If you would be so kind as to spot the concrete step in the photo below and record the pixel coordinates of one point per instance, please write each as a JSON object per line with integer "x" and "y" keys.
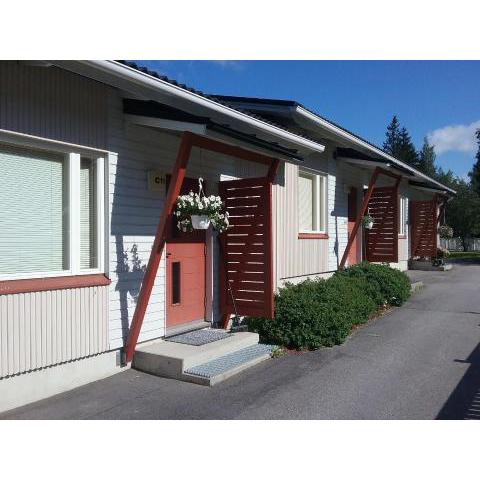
{"x": 225, "y": 367}
{"x": 169, "y": 359}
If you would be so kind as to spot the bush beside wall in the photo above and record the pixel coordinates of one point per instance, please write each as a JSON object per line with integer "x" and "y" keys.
{"x": 318, "y": 313}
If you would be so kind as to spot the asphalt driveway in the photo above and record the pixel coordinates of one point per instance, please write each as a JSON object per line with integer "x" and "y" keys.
{"x": 421, "y": 361}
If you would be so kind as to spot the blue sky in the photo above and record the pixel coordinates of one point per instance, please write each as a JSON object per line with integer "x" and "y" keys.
{"x": 440, "y": 99}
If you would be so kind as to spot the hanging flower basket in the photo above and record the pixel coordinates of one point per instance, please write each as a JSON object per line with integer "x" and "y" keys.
{"x": 200, "y": 222}
{"x": 367, "y": 222}
{"x": 196, "y": 211}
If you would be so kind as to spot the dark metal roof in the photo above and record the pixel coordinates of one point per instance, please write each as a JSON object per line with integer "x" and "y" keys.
{"x": 293, "y": 103}
{"x": 157, "y": 110}
{"x": 215, "y": 98}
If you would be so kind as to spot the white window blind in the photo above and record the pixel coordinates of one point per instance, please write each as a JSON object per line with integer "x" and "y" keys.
{"x": 306, "y": 202}
{"x": 34, "y": 211}
{"x": 88, "y": 215}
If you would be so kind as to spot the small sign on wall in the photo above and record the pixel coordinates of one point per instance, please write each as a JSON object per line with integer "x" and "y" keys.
{"x": 156, "y": 181}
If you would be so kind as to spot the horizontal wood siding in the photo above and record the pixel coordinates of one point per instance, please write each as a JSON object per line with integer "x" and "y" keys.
{"x": 42, "y": 329}
{"x": 50, "y": 327}
{"x": 135, "y": 212}
{"x": 52, "y": 103}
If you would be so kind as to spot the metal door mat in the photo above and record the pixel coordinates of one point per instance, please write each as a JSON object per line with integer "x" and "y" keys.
{"x": 199, "y": 337}
{"x": 230, "y": 361}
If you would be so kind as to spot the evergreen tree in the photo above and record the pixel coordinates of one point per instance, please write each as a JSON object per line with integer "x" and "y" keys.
{"x": 406, "y": 149}
{"x": 426, "y": 159}
{"x": 398, "y": 143}
{"x": 463, "y": 211}
{"x": 475, "y": 172}
{"x": 448, "y": 178}
{"x": 392, "y": 140}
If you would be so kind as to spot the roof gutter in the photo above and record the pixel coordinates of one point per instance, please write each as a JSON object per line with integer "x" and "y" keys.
{"x": 352, "y": 138}
{"x": 144, "y": 80}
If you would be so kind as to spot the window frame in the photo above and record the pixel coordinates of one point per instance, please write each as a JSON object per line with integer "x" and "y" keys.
{"x": 402, "y": 216}
{"x": 320, "y": 203}
{"x": 72, "y": 154}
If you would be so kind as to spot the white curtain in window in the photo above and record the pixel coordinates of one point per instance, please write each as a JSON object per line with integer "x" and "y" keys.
{"x": 88, "y": 217}
{"x": 33, "y": 213}
{"x": 305, "y": 202}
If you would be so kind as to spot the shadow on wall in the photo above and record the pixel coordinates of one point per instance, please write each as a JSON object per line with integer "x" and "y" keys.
{"x": 339, "y": 210}
{"x": 134, "y": 218}
{"x": 464, "y": 401}
{"x": 130, "y": 271}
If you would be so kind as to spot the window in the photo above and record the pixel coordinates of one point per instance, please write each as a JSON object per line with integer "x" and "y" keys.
{"x": 34, "y": 214}
{"x": 312, "y": 202}
{"x": 175, "y": 283}
{"x": 403, "y": 215}
{"x": 50, "y": 220}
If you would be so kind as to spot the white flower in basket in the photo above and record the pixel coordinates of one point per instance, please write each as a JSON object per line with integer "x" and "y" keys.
{"x": 196, "y": 211}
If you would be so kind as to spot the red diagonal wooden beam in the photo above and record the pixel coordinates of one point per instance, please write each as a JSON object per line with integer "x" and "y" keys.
{"x": 178, "y": 175}
{"x": 360, "y": 215}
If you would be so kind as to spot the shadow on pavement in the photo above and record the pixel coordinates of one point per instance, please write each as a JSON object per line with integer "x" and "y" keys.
{"x": 464, "y": 402}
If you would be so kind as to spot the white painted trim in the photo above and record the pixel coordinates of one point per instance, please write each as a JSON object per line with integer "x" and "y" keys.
{"x": 74, "y": 210}
{"x": 72, "y": 163}
{"x": 354, "y": 139}
{"x": 111, "y": 159}
{"x": 25, "y": 140}
{"x": 174, "y": 125}
{"x": 209, "y": 275}
{"x": 100, "y": 183}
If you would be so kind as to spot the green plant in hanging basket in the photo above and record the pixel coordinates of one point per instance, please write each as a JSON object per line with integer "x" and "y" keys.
{"x": 445, "y": 231}
{"x": 367, "y": 221}
{"x": 197, "y": 211}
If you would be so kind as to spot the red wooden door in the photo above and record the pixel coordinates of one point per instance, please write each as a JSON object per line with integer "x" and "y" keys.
{"x": 185, "y": 264}
{"x": 185, "y": 282}
{"x": 382, "y": 240}
{"x": 353, "y": 254}
{"x": 423, "y": 215}
{"x": 246, "y": 257}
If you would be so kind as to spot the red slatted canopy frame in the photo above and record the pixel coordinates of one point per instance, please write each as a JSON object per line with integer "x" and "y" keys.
{"x": 246, "y": 248}
{"x": 361, "y": 213}
{"x": 188, "y": 141}
{"x": 381, "y": 241}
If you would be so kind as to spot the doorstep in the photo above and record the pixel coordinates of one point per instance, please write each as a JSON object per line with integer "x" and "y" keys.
{"x": 203, "y": 364}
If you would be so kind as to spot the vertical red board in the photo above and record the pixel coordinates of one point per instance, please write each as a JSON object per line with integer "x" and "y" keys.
{"x": 381, "y": 242}
{"x": 246, "y": 259}
{"x": 423, "y": 215}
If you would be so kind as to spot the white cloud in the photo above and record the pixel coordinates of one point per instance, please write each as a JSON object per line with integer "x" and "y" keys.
{"x": 456, "y": 138}
{"x": 232, "y": 64}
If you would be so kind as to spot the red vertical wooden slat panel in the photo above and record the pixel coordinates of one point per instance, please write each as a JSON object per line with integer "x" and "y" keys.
{"x": 382, "y": 239}
{"x": 246, "y": 248}
{"x": 424, "y": 228}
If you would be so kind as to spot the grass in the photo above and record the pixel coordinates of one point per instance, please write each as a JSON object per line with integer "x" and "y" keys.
{"x": 465, "y": 256}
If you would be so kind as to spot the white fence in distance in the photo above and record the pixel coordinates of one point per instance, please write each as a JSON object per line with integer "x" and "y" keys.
{"x": 455, "y": 244}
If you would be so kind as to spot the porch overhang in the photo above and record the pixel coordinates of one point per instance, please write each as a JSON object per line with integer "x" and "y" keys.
{"x": 188, "y": 141}
{"x": 144, "y": 85}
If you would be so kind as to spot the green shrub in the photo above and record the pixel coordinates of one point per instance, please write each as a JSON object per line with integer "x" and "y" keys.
{"x": 318, "y": 313}
{"x": 385, "y": 285}
{"x": 315, "y": 313}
